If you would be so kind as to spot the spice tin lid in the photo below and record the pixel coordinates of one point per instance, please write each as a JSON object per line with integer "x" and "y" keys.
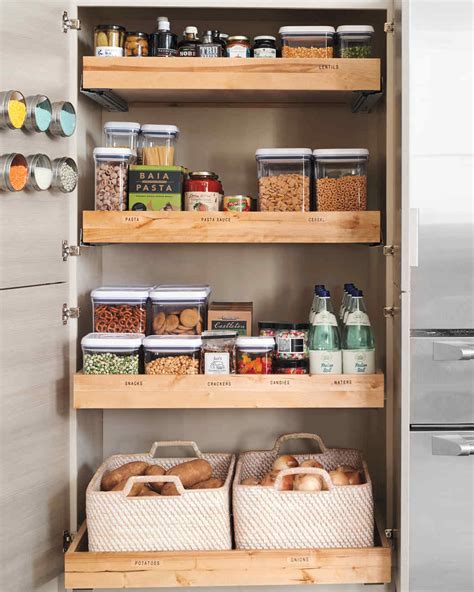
{"x": 157, "y": 342}
{"x": 112, "y": 152}
{"x": 138, "y": 293}
{"x": 306, "y": 31}
{"x": 238, "y": 38}
{"x": 167, "y": 292}
{"x": 115, "y": 340}
{"x": 341, "y": 153}
{"x": 354, "y": 29}
{"x": 219, "y": 334}
{"x": 283, "y": 153}
{"x": 255, "y": 342}
{"x": 160, "y": 130}
{"x": 288, "y": 326}
{"x": 264, "y": 38}
{"x": 122, "y": 126}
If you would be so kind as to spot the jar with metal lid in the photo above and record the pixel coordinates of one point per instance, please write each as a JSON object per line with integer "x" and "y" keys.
{"x": 13, "y": 171}
{"x": 264, "y": 46}
{"x": 65, "y": 174}
{"x": 121, "y": 134}
{"x": 238, "y": 46}
{"x": 39, "y": 113}
{"x": 109, "y": 40}
{"x": 203, "y": 192}
{"x": 63, "y": 119}
{"x": 136, "y": 44}
{"x": 292, "y": 341}
{"x": 40, "y": 172}
{"x": 12, "y": 109}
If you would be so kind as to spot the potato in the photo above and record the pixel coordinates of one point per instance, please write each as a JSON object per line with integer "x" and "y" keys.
{"x": 212, "y": 483}
{"x": 136, "y": 488}
{"x": 250, "y": 481}
{"x": 155, "y": 470}
{"x": 131, "y": 469}
{"x": 311, "y": 462}
{"x": 269, "y": 479}
{"x": 147, "y": 492}
{"x": 190, "y": 473}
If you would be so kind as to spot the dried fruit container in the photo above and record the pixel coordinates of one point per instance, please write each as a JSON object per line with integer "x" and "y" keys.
{"x": 255, "y": 355}
{"x": 341, "y": 179}
{"x": 111, "y": 353}
{"x": 355, "y": 41}
{"x": 179, "y": 309}
{"x": 307, "y": 42}
{"x": 284, "y": 179}
{"x": 172, "y": 354}
{"x": 120, "y": 309}
{"x": 122, "y": 134}
{"x": 111, "y": 178}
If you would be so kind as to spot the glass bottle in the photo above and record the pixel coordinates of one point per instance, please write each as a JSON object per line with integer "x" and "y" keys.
{"x": 210, "y": 47}
{"x": 314, "y": 304}
{"x": 188, "y": 47}
{"x": 325, "y": 356}
{"x": 358, "y": 344}
{"x": 163, "y": 43}
{"x": 345, "y": 298}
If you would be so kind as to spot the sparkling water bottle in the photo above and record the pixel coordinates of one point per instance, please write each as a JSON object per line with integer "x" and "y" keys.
{"x": 325, "y": 356}
{"x": 345, "y": 298}
{"x": 358, "y": 344}
{"x": 352, "y": 290}
{"x": 318, "y": 288}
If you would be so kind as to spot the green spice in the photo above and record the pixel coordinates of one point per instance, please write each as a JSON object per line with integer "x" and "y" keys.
{"x": 356, "y": 51}
{"x": 110, "y": 364}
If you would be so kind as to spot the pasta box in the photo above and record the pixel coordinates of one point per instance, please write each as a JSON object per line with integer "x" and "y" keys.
{"x": 155, "y": 188}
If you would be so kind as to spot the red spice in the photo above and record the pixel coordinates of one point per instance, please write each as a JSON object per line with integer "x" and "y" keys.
{"x": 18, "y": 176}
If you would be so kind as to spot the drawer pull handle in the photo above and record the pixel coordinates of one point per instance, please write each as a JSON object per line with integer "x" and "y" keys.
{"x": 452, "y": 445}
{"x": 452, "y": 350}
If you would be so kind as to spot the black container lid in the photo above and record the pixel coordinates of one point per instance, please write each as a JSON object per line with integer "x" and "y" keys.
{"x": 113, "y": 27}
{"x": 138, "y": 34}
{"x": 291, "y": 363}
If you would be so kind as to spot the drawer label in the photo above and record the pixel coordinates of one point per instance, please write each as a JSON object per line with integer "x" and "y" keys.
{"x": 316, "y": 219}
{"x": 132, "y": 219}
{"x": 280, "y": 382}
{"x": 146, "y": 563}
{"x": 216, "y": 219}
{"x": 134, "y": 383}
{"x": 301, "y": 560}
{"x": 342, "y": 381}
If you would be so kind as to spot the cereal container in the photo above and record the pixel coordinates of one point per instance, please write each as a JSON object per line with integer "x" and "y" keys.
{"x": 255, "y": 355}
{"x": 355, "y": 41}
{"x": 341, "y": 179}
{"x": 179, "y": 310}
{"x": 291, "y": 341}
{"x": 157, "y": 144}
{"x": 121, "y": 134}
{"x": 307, "y": 42}
{"x": 284, "y": 179}
{"x": 172, "y": 354}
{"x": 111, "y": 178}
{"x": 120, "y": 309}
{"x": 111, "y": 353}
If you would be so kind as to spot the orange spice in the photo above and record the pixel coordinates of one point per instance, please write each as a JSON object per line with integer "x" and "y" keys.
{"x": 18, "y": 176}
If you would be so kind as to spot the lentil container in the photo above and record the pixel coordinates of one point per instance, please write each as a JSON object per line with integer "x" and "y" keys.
{"x": 307, "y": 42}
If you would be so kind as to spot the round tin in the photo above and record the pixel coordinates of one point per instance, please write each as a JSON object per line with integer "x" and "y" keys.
{"x": 5, "y": 98}
{"x": 239, "y": 203}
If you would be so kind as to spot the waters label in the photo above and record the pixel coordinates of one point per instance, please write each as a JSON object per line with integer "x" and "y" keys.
{"x": 358, "y": 318}
{"x": 325, "y": 362}
{"x": 358, "y": 361}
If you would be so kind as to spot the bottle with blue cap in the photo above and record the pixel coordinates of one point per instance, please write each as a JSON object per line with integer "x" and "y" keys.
{"x": 345, "y": 299}
{"x": 358, "y": 344}
{"x": 314, "y": 305}
{"x": 325, "y": 356}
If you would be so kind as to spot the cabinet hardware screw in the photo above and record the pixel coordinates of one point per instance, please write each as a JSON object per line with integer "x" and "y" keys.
{"x": 389, "y": 27}
{"x": 70, "y": 24}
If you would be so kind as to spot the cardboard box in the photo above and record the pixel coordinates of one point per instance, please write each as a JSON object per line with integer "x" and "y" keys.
{"x": 156, "y": 188}
{"x": 235, "y": 316}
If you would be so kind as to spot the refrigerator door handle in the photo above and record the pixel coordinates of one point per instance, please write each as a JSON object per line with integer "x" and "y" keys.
{"x": 453, "y": 445}
{"x": 452, "y": 350}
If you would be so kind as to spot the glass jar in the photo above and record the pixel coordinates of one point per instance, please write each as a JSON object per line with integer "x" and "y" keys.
{"x": 264, "y": 46}
{"x": 12, "y": 109}
{"x": 65, "y": 174}
{"x": 120, "y": 309}
{"x": 307, "y": 42}
{"x": 179, "y": 309}
{"x": 355, "y": 41}
{"x": 291, "y": 341}
{"x": 106, "y": 353}
{"x": 111, "y": 178}
{"x": 157, "y": 144}
{"x": 341, "y": 179}
{"x": 109, "y": 40}
{"x": 40, "y": 172}
{"x": 173, "y": 354}
{"x": 255, "y": 355}
{"x": 13, "y": 172}
{"x": 38, "y": 113}
{"x": 136, "y": 44}
{"x": 284, "y": 179}
{"x": 291, "y": 367}
{"x": 121, "y": 134}
{"x": 266, "y": 329}
{"x": 203, "y": 192}
{"x": 238, "y": 46}
{"x": 218, "y": 352}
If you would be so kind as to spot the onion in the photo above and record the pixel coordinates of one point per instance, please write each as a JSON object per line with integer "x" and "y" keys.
{"x": 286, "y": 483}
{"x": 339, "y": 477}
{"x": 355, "y": 478}
{"x": 250, "y": 481}
{"x": 310, "y": 462}
{"x": 285, "y": 462}
{"x": 269, "y": 479}
{"x": 345, "y": 469}
{"x": 308, "y": 482}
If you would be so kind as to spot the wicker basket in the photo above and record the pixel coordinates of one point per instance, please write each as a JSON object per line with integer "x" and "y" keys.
{"x": 265, "y": 518}
{"x": 196, "y": 520}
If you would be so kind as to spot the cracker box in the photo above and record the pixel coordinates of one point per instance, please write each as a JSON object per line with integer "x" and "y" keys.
{"x": 233, "y": 316}
{"x": 155, "y": 188}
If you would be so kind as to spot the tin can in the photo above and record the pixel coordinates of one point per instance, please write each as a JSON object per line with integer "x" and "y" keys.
{"x": 239, "y": 203}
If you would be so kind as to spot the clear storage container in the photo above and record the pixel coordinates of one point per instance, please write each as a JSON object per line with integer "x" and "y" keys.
{"x": 355, "y": 41}
{"x": 111, "y": 178}
{"x": 291, "y": 341}
{"x": 173, "y": 354}
{"x": 307, "y": 42}
{"x": 255, "y": 355}
{"x": 179, "y": 309}
{"x": 157, "y": 144}
{"x": 341, "y": 179}
{"x": 284, "y": 179}
{"x": 122, "y": 134}
{"x": 218, "y": 352}
{"x": 110, "y": 353}
{"x": 120, "y": 309}
{"x": 109, "y": 40}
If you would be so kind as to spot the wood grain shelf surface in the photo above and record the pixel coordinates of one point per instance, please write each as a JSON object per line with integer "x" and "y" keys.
{"x": 222, "y": 79}
{"x": 231, "y": 227}
{"x": 275, "y": 391}
{"x": 88, "y": 570}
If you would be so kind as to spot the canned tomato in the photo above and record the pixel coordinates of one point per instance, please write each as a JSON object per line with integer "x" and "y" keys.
{"x": 239, "y": 203}
{"x": 203, "y": 192}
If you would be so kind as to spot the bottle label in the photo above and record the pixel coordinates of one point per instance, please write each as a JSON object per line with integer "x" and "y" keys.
{"x": 187, "y": 52}
{"x": 109, "y": 52}
{"x": 358, "y": 361}
{"x": 325, "y": 362}
{"x": 358, "y": 318}
{"x": 325, "y": 318}
{"x": 164, "y": 52}
{"x": 217, "y": 363}
{"x": 210, "y": 51}
{"x": 202, "y": 201}
{"x": 238, "y": 51}
{"x": 265, "y": 52}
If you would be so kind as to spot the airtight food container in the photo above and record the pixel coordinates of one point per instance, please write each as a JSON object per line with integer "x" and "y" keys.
{"x": 121, "y": 134}
{"x": 172, "y": 354}
{"x": 255, "y": 355}
{"x": 40, "y": 172}
{"x": 120, "y": 309}
{"x": 307, "y": 42}
{"x": 284, "y": 179}
{"x": 354, "y": 41}
{"x": 111, "y": 177}
{"x": 157, "y": 144}
{"x": 110, "y": 353}
{"x": 179, "y": 309}
{"x": 341, "y": 179}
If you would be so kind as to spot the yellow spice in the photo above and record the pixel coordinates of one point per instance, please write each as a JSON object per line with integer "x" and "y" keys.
{"x": 16, "y": 112}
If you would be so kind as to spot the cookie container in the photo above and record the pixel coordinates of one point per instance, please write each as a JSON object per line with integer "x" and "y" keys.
{"x": 179, "y": 309}
{"x": 120, "y": 309}
{"x": 355, "y": 41}
{"x": 111, "y": 178}
{"x": 255, "y": 355}
{"x": 172, "y": 354}
{"x": 157, "y": 144}
{"x": 110, "y": 353}
{"x": 307, "y": 42}
{"x": 121, "y": 134}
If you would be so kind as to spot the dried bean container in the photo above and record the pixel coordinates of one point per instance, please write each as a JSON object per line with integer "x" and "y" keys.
{"x": 12, "y": 109}
{"x": 40, "y": 172}
{"x": 355, "y": 41}
{"x": 13, "y": 172}
{"x": 341, "y": 179}
{"x": 111, "y": 353}
{"x": 179, "y": 309}
{"x": 307, "y": 42}
{"x": 255, "y": 355}
{"x": 172, "y": 354}
{"x": 65, "y": 174}
{"x": 284, "y": 179}
{"x": 39, "y": 113}
{"x": 121, "y": 134}
{"x": 63, "y": 119}
{"x": 120, "y": 309}
{"x": 111, "y": 178}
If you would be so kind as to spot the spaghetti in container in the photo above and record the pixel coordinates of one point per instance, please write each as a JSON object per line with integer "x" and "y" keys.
{"x": 157, "y": 144}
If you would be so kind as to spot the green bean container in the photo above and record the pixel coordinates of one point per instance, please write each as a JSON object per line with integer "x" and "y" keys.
{"x": 111, "y": 353}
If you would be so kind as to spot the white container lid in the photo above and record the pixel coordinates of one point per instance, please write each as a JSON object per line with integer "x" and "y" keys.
{"x": 282, "y": 153}
{"x": 157, "y": 342}
{"x": 354, "y": 29}
{"x": 255, "y": 342}
{"x": 113, "y": 152}
{"x": 112, "y": 340}
{"x": 341, "y": 153}
{"x": 160, "y": 130}
{"x": 305, "y": 31}
{"x": 122, "y": 126}
{"x": 176, "y": 292}
{"x": 269, "y": 37}
{"x": 138, "y": 293}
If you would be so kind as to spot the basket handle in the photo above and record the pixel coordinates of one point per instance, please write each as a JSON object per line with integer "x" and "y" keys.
{"x": 298, "y": 436}
{"x": 153, "y": 479}
{"x": 169, "y": 443}
{"x": 304, "y": 470}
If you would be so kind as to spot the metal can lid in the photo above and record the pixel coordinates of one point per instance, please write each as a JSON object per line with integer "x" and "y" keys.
{"x": 264, "y": 38}
{"x": 137, "y": 34}
{"x": 109, "y": 27}
{"x": 241, "y": 197}
{"x": 207, "y": 174}
{"x": 238, "y": 38}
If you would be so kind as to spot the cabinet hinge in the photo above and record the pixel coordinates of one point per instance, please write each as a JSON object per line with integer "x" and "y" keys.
{"x": 70, "y": 312}
{"x": 391, "y": 534}
{"x": 67, "y": 540}
{"x": 389, "y": 27}
{"x": 389, "y": 250}
{"x": 70, "y": 250}
{"x": 390, "y": 311}
{"x": 70, "y": 24}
